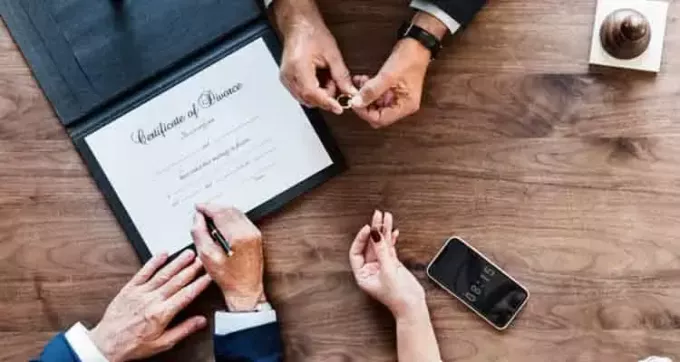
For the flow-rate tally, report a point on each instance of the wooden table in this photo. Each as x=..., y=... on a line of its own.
x=567, y=176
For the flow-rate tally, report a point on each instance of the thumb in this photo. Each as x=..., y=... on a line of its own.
x=371, y=91
x=209, y=210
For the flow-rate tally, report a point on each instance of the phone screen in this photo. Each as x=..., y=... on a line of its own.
x=478, y=283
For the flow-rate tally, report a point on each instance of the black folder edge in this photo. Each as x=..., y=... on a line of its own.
x=260, y=29
x=55, y=67
x=60, y=68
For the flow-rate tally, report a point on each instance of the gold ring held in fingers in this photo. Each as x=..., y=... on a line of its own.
x=344, y=100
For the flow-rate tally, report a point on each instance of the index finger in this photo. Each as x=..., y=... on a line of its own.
x=341, y=74
x=209, y=210
x=356, y=251
x=167, y=272
x=331, y=88
x=388, y=221
x=319, y=97
x=185, y=296
x=215, y=211
x=311, y=92
x=149, y=269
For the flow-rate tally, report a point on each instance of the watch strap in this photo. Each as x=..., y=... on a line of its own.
x=424, y=37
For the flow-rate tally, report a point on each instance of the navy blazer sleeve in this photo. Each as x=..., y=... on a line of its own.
x=461, y=10
x=58, y=350
x=258, y=344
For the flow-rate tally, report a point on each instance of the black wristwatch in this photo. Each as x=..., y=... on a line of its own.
x=424, y=37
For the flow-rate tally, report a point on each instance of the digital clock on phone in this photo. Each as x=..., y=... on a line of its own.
x=477, y=282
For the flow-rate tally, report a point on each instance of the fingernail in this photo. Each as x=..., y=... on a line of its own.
x=188, y=253
x=337, y=111
x=201, y=322
x=354, y=90
x=357, y=101
x=375, y=235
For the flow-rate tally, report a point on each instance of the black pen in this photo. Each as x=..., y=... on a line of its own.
x=217, y=236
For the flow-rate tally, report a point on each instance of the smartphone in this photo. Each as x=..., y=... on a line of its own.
x=476, y=281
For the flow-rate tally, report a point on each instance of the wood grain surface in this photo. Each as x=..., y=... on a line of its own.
x=566, y=175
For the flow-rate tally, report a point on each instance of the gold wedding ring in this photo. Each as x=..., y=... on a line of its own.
x=344, y=100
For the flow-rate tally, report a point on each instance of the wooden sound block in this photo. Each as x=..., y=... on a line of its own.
x=629, y=34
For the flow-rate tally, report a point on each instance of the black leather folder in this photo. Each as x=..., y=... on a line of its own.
x=98, y=59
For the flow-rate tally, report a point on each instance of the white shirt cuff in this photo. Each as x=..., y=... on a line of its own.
x=228, y=323
x=422, y=5
x=434, y=10
x=82, y=345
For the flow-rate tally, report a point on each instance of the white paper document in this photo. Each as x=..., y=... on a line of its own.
x=230, y=134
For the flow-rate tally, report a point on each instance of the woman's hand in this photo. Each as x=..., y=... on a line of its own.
x=134, y=324
x=379, y=272
x=240, y=275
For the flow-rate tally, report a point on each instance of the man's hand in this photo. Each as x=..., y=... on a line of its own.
x=395, y=92
x=239, y=276
x=134, y=324
x=309, y=48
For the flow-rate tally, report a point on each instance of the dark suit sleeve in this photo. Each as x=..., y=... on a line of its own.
x=57, y=350
x=258, y=344
x=461, y=10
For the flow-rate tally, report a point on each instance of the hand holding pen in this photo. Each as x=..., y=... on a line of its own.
x=239, y=276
